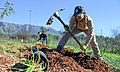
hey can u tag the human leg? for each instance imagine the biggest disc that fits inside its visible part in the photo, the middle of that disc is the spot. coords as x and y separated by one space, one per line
43 40
65 38
46 40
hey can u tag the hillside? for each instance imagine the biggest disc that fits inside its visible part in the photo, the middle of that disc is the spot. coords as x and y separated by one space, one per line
12 28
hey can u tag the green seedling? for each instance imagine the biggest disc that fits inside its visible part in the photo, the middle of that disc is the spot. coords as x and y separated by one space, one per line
33 65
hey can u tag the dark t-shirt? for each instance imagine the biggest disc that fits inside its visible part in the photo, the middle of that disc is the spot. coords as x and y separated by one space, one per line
43 35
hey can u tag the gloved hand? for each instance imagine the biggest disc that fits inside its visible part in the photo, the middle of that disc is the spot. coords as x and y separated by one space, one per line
66 27
83 47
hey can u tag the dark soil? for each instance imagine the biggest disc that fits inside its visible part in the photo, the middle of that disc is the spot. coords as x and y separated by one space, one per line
64 61
68 60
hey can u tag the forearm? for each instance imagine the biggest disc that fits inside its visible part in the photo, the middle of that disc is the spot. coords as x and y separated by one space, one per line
39 39
72 23
71 27
88 40
89 37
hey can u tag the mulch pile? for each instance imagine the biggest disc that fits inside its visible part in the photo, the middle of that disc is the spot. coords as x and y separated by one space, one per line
64 61
68 60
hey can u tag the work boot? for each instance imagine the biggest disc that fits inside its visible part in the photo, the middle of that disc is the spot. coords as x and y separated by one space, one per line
59 48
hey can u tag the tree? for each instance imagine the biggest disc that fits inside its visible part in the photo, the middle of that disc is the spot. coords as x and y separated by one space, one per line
6 9
50 38
116 35
43 29
1 34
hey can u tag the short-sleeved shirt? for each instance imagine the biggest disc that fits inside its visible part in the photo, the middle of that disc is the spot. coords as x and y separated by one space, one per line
43 35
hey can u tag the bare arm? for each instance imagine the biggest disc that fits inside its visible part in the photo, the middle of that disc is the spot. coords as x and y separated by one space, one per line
40 36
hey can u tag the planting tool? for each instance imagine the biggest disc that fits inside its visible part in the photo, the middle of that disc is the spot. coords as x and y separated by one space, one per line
50 21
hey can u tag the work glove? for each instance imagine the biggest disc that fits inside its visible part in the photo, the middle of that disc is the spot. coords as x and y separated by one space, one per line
66 27
83 47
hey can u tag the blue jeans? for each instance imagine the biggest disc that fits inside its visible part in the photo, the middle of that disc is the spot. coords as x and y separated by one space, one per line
44 39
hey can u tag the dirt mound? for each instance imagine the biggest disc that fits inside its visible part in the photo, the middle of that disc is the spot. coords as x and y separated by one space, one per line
6 61
68 60
64 61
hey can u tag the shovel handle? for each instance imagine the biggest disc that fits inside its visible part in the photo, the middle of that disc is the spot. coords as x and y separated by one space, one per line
68 29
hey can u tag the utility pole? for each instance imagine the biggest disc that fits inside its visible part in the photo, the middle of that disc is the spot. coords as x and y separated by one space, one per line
101 32
30 16
28 27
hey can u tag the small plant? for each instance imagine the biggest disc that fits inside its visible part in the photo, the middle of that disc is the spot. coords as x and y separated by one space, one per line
33 64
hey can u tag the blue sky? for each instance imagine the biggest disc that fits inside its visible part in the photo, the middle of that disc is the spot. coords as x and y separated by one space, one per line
105 13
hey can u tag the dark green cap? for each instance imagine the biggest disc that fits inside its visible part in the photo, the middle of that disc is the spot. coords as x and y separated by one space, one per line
78 11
